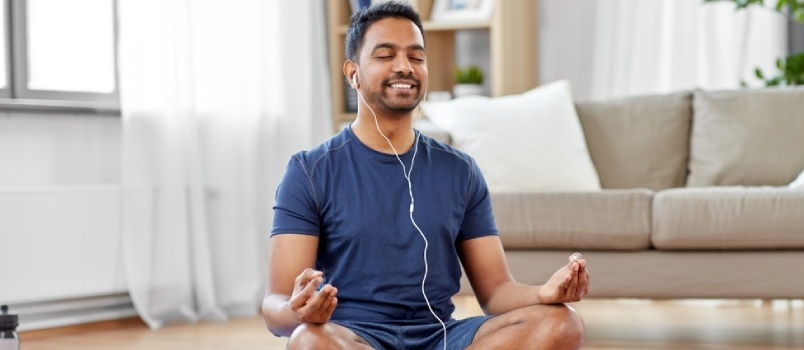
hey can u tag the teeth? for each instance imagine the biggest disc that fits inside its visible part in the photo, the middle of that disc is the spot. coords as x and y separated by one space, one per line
401 86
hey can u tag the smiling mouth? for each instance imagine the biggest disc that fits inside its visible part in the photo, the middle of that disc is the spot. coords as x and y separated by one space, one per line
402 87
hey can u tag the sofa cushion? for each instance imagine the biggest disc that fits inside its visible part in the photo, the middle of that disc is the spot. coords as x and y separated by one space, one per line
639 142
527 142
610 219
728 218
798 182
747 137
428 128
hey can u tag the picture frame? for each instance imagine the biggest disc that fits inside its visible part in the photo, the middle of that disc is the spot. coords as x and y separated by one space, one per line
361 4
462 10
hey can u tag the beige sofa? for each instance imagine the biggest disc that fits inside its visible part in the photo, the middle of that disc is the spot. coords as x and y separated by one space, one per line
694 201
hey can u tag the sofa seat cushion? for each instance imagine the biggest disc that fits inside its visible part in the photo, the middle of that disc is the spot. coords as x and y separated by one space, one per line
610 219
728 218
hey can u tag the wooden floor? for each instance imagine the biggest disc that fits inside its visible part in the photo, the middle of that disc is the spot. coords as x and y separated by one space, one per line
610 324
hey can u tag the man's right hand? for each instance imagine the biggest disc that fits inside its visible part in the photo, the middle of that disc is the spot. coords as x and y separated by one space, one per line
309 305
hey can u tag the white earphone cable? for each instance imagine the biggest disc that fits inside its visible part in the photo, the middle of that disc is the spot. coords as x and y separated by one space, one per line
406 172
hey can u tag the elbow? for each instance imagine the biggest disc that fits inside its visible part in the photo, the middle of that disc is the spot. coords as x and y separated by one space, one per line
490 310
487 305
266 316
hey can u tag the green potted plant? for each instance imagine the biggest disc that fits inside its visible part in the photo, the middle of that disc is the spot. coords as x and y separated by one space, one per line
468 81
791 68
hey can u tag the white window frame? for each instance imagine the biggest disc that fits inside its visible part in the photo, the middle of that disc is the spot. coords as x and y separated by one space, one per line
5 92
17 93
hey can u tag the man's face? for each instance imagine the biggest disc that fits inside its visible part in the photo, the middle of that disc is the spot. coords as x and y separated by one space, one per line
393 65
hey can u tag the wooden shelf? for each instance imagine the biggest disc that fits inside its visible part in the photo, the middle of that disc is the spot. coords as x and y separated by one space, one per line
513 49
436 26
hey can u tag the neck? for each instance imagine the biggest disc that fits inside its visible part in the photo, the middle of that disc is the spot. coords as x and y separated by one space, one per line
398 130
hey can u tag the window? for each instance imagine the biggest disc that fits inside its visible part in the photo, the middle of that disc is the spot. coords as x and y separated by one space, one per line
58 50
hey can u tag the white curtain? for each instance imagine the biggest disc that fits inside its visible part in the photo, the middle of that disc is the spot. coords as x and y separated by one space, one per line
215 96
661 46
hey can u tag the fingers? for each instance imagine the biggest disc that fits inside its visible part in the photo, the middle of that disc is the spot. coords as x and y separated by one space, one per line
327 305
317 302
306 276
583 281
319 308
300 299
588 282
579 283
583 278
572 288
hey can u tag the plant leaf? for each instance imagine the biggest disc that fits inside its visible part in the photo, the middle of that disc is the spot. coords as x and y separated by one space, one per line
798 14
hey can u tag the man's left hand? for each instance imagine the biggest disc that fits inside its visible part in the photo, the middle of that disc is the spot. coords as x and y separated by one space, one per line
570 283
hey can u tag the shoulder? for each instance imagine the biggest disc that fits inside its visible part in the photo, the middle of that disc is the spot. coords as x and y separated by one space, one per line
311 159
445 152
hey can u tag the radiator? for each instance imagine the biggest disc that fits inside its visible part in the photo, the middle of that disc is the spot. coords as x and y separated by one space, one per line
60 255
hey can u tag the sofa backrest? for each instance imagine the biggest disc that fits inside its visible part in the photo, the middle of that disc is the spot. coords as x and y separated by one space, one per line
747 137
639 142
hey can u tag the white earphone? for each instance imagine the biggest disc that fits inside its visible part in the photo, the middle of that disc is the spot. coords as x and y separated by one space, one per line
407 173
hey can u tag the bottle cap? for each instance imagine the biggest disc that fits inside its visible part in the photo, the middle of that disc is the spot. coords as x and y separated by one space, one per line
7 321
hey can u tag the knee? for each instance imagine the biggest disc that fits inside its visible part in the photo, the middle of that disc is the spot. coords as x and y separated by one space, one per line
560 325
566 327
309 336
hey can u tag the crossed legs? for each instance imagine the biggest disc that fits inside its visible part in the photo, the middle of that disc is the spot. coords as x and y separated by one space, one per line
327 336
532 327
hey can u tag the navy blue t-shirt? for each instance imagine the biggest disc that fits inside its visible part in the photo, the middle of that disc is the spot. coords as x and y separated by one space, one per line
356 201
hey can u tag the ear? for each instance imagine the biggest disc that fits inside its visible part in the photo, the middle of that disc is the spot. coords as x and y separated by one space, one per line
350 71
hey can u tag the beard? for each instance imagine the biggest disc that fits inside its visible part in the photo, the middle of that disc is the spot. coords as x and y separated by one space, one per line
396 104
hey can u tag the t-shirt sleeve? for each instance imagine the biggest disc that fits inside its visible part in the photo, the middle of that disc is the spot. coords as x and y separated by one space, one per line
479 218
296 210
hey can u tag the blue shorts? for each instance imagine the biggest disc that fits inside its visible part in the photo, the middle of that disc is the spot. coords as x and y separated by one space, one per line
460 334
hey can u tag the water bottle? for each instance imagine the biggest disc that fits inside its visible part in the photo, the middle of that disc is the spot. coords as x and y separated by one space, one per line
9 339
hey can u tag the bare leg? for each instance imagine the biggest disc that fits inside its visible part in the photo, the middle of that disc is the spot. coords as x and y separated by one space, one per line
325 336
532 327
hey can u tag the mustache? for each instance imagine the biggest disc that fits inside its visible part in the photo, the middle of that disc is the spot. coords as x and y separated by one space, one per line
386 81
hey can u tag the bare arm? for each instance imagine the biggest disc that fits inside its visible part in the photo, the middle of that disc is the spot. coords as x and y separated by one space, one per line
496 290
291 297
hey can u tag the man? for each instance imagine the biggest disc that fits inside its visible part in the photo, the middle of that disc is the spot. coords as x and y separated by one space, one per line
355 216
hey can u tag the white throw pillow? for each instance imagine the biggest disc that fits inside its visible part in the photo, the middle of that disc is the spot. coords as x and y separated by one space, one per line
522 143
798 182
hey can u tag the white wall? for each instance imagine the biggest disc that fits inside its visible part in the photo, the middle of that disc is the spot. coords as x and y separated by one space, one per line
566 40
41 150
59 207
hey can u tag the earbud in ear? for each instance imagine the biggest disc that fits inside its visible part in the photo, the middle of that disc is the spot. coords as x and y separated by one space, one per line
354 80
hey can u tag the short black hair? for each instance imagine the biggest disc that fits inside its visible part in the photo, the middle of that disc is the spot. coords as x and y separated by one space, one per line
362 20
